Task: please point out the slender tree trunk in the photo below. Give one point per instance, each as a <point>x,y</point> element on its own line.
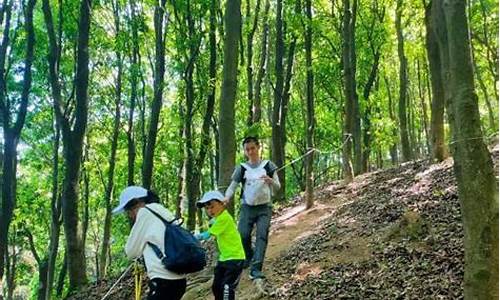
<point>55,224</point>
<point>160,24</point>
<point>12,130</point>
<point>103,264</point>
<point>62,275</point>
<point>134,74</point>
<point>256,104</point>
<point>477,184</point>
<point>351,118</point>
<point>250,35</point>
<point>310,108</point>
<point>367,136</point>
<point>277,149</point>
<point>439,151</point>
<point>227,147</point>
<point>421,95</point>
<point>394,147</point>
<point>403,87</point>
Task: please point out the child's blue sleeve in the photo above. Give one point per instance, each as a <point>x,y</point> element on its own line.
<point>202,236</point>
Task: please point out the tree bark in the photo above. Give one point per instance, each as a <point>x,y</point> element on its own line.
<point>277,149</point>
<point>134,72</point>
<point>227,147</point>
<point>351,106</point>
<point>477,184</point>
<point>256,104</point>
<point>310,108</point>
<point>105,245</point>
<point>12,130</point>
<point>250,35</point>
<point>72,138</point>
<point>394,147</point>
<point>438,145</point>
<point>403,87</point>
<point>160,24</point>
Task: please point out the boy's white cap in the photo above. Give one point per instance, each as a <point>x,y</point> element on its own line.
<point>209,196</point>
<point>129,193</point>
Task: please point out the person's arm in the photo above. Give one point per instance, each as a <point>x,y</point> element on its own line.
<point>231,189</point>
<point>136,240</point>
<point>275,185</point>
<point>202,236</point>
<point>235,180</point>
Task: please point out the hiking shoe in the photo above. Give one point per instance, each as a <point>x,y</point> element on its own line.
<point>256,274</point>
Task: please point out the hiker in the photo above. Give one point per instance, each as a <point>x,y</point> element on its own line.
<point>259,181</point>
<point>163,284</point>
<point>231,254</point>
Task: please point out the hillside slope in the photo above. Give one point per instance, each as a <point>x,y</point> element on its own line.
<point>390,234</point>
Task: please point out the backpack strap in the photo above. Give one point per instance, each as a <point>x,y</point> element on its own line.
<point>269,170</point>
<point>243,167</point>
<point>158,216</point>
<point>155,248</point>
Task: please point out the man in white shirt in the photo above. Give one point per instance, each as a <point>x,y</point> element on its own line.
<point>163,284</point>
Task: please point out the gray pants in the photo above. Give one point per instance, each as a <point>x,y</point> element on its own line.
<point>260,216</point>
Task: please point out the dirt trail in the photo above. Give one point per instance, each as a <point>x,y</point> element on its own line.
<point>293,224</point>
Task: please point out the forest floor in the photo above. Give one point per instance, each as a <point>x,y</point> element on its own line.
<point>390,234</point>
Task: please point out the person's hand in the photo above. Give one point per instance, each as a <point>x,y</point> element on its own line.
<point>225,201</point>
<point>267,179</point>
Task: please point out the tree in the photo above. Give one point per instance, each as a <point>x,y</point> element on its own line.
<point>477,184</point>
<point>310,108</point>
<point>277,148</point>
<point>160,25</point>
<point>403,86</point>
<point>114,143</point>
<point>12,129</point>
<point>437,104</point>
<point>227,149</point>
<point>73,133</point>
<point>351,116</point>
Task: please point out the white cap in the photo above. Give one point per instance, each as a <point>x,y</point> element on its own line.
<point>209,196</point>
<point>128,194</point>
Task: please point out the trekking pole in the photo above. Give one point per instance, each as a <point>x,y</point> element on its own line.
<point>138,281</point>
<point>119,279</point>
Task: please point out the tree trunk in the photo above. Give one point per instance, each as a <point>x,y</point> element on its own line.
<point>438,94</point>
<point>134,72</point>
<point>394,147</point>
<point>256,104</point>
<point>367,136</point>
<point>55,223</point>
<point>277,149</point>
<point>227,149</point>
<point>103,264</point>
<point>250,34</point>
<point>12,131</point>
<point>310,108</point>
<point>351,117</point>
<point>160,24</point>
<point>477,184</point>
<point>421,95</point>
<point>403,87</point>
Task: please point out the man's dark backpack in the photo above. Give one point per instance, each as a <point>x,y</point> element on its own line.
<point>183,252</point>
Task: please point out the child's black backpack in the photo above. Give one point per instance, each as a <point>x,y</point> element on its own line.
<point>183,252</point>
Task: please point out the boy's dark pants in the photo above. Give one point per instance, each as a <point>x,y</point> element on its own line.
<point>259,215</point>
<point>226,279</point>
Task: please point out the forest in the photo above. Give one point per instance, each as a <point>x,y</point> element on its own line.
<point>98,95</point>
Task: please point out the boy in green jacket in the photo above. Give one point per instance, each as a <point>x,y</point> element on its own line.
<point>231,254</point>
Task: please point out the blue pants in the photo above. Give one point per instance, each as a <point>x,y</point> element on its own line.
<point>260,216</point>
